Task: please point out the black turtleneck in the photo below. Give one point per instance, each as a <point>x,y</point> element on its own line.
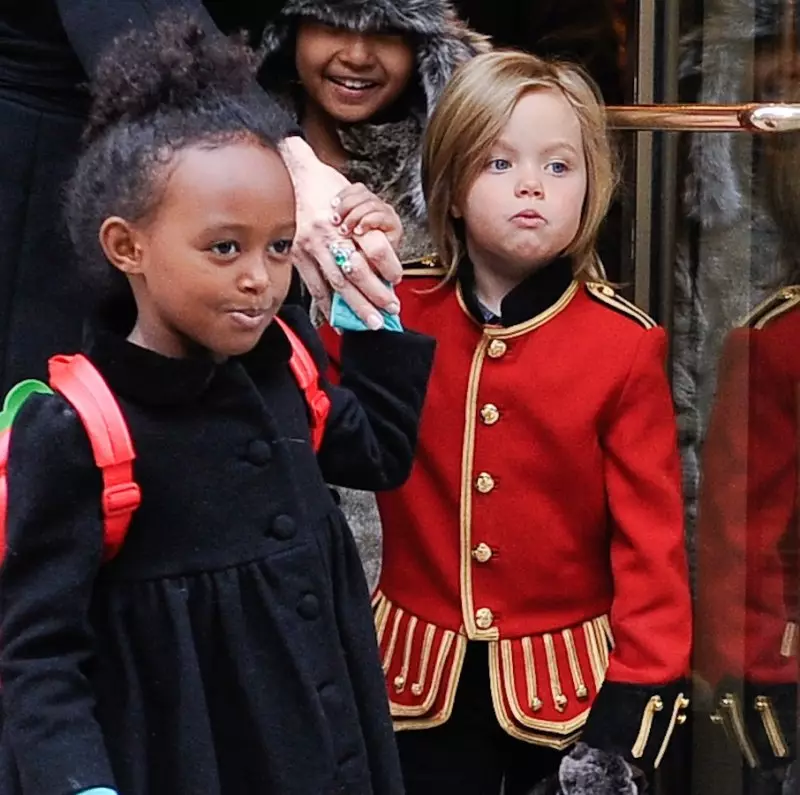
<point>529,298</point>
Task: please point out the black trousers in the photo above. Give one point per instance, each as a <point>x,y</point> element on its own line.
<point>471,754</point>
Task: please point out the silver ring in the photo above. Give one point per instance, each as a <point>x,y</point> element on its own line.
<point>342,251</point>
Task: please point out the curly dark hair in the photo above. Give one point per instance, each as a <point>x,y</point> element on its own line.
<point>154,93</point>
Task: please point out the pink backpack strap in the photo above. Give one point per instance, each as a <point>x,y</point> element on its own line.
<point>76,378</point>
<point>307,376</point>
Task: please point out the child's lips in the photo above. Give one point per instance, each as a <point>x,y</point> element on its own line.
<point>348,90</point>
<point>529,219</point>
<point>353,83</point>
<point>248,318</point>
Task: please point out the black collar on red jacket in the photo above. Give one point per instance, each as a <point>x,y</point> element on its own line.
<point>537,293</point>
<point>148,377</point>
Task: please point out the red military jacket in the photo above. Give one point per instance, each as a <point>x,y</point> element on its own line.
<point>543,516</point>
<point>747,533</point>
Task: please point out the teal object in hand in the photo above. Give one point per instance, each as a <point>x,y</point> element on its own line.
<point>344,318</point>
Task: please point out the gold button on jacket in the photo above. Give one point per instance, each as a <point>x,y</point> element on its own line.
<point>497,348</point>
<point>484,618</point>
<point>484,483</point>
<point>490,414</point>
<point>482,553</point>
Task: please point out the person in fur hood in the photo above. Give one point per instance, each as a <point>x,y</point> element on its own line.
<point>362,77</point>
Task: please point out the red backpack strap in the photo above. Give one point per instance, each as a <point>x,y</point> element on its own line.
<point>5,441</point>
<point>76,378</point>
<point>307,376</point>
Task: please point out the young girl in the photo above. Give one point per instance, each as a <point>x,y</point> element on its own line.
<point>228,648</point>
<point>534,588</point>
<point>362,79</point>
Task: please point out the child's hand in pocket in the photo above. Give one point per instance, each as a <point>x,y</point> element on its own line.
<point>357,211</point>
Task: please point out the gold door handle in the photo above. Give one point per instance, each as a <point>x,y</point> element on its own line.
<point>751,117</point>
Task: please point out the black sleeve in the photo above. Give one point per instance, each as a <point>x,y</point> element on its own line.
<point>371,433</point>
<point>91,25</point>
<point>54,549</point>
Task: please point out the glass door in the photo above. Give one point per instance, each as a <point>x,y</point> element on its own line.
<point>711,216</point>
<point>705,98</point>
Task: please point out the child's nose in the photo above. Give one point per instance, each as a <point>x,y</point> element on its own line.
<point>254,278</point>
<point>530,184</point>
<point>357,51</point>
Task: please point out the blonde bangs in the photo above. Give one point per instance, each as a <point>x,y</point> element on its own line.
<point>472,112</point>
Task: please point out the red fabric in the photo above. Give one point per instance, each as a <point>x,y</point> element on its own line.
<point>76,378</point>
<point>586,514</point>
<point>307,376</point>
<point>747,525</point>
<point>5,440</point>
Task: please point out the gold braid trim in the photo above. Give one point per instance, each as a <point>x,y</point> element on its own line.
<point>387,660</point>
<point>530,675</point>
<point>427,644</point>
<point>401,678</point>
<point>559,698</point>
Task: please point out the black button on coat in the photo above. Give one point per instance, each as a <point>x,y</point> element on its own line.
<point>229,648</point>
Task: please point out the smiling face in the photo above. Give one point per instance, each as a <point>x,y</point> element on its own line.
<point>352,76</point>
<point>524,208</point>
<point>211,265</point>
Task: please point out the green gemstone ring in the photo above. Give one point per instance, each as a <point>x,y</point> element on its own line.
<point>342,251</point>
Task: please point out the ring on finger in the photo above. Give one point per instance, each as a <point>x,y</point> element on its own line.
<point>342,252</point>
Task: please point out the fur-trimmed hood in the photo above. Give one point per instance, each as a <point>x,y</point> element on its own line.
<point>441,42</point>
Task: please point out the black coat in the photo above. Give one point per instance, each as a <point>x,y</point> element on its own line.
<point>47,47</point>
<point>229,648</point>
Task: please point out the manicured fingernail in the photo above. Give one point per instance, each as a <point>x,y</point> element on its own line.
<point>343,229</point>
<point>359,230</point>
<point>393,308</point>
<point>336,219</point>
<point>335,201</point>
<point>375,322</point>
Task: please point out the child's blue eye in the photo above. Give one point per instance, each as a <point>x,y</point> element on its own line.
<point>499,164</point>
<point>281,247</point>
<point>225,248</point>
<point>558,167</point>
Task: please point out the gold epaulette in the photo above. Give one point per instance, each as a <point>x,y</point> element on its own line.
<point>424,266</point>
<point>610,297</point>
<point>772,307</point>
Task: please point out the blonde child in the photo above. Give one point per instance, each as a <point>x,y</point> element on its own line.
<point>534,589</point>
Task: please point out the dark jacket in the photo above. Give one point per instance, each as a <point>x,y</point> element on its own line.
<point>229,648</point>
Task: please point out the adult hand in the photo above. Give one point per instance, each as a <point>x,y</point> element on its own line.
<point>358,210</point>
<point>317,187</point>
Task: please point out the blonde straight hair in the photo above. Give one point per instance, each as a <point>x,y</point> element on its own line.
<point>470,116</point>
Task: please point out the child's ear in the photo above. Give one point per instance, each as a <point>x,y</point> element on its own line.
<point>119,241</point>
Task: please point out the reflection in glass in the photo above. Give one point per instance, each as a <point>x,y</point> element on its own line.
<point>746,650</point>
<point>737,387</point>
